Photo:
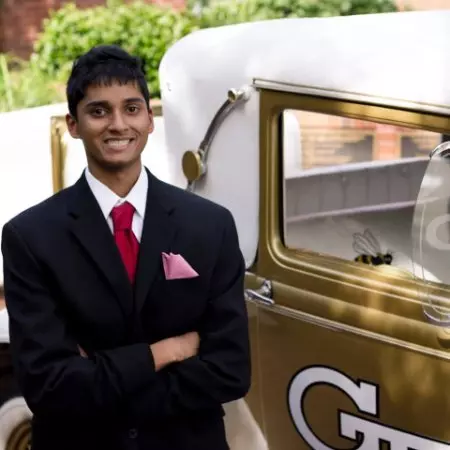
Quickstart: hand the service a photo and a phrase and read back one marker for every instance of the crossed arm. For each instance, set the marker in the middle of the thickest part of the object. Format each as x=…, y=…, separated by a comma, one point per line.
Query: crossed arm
x=184, y=373
x=170, y=350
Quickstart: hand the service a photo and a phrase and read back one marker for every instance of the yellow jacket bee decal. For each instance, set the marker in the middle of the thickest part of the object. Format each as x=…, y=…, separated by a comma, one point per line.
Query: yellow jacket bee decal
x=369, y=250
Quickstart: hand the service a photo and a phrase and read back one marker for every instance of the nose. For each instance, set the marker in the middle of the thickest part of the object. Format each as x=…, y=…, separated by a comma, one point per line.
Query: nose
x=118, y=123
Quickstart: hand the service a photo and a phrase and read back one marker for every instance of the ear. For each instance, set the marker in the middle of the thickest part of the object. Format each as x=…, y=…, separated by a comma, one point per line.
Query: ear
x=151, y=120
x=72, y=126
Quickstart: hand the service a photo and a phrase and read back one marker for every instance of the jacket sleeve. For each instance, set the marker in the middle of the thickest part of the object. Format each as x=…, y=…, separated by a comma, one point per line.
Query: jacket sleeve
x=221, y=372
x=54, y=379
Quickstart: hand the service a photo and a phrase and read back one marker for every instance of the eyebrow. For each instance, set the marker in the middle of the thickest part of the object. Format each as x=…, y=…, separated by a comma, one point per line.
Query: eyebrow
x=105, y=103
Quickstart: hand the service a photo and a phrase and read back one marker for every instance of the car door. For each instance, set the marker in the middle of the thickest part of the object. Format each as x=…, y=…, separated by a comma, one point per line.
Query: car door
x=345, y=353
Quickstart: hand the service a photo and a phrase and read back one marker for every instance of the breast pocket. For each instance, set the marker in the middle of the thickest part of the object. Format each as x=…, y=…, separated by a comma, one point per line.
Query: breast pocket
x=190, y=292
x=175, y=306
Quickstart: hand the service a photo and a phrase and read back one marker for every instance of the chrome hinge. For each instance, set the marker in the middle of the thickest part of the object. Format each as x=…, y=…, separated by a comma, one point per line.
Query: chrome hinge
x=262, y=295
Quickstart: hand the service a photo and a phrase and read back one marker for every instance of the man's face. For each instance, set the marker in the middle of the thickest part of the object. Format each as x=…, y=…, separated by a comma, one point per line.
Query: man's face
x=114, y=123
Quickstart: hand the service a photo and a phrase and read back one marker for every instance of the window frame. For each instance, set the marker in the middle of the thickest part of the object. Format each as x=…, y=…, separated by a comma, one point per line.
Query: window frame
x=325, y=274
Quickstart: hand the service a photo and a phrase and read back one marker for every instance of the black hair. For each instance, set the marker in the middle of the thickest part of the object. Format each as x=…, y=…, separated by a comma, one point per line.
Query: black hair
x=104, y=65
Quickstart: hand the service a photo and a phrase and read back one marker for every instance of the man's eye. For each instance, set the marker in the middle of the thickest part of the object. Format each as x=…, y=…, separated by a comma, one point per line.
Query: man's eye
x=98, y=112
x=133, y=109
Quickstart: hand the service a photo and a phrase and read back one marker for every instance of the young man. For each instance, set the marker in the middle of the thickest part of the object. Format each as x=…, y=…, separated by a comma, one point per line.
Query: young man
x=127, y=319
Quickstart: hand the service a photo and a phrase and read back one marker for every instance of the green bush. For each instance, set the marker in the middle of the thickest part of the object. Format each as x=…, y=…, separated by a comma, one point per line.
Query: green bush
x=226, y=12
x=143, y=29
x=23, y=85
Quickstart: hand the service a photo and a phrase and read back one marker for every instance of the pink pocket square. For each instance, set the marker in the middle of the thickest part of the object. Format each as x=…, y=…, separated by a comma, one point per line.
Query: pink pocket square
x=176, y=267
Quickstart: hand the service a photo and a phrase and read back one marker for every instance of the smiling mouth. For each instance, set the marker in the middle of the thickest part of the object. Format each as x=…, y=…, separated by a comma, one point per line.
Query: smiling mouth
x=118, y=144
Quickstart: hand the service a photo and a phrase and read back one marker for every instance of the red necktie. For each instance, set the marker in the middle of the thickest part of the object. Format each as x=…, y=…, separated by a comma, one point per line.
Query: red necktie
x=126, y=241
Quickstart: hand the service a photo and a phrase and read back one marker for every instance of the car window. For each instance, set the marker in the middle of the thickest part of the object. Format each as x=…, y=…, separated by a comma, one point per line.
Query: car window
x=350, y=186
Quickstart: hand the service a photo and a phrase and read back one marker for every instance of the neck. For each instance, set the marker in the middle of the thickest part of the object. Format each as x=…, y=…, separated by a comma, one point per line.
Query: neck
x=121, y=181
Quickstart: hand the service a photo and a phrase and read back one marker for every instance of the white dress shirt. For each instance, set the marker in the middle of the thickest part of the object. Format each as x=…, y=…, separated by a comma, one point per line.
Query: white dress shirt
x=107, y=200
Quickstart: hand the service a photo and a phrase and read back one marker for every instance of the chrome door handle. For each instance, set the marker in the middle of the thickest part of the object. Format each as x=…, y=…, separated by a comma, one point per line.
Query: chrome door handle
x=261, y=295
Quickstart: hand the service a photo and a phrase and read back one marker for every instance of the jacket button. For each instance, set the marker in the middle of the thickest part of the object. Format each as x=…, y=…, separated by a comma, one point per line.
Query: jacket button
x=132, y=433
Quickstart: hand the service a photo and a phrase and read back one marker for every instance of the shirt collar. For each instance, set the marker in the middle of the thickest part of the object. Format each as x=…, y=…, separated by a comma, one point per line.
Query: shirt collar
x=107, y=199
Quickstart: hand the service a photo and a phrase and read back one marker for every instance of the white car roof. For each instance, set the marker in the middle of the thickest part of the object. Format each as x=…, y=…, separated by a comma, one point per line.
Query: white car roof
x=402, y=55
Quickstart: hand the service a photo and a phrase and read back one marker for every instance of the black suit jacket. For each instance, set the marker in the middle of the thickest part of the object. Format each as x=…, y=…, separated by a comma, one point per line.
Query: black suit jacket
x=65, y=285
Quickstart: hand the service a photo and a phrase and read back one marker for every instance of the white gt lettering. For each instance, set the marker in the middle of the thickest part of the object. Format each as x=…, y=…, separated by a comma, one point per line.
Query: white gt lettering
x=365, y=396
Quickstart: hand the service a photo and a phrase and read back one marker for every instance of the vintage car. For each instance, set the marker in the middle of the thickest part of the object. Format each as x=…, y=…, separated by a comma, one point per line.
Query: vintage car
x=326, y=139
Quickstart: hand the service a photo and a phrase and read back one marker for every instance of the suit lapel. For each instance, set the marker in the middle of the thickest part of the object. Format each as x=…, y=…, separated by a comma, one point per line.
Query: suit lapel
x=90, y=228
x=158, y=232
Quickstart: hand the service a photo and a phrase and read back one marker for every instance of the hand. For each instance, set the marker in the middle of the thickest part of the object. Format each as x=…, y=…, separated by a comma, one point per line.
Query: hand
x=175, y=349
x=187, y=345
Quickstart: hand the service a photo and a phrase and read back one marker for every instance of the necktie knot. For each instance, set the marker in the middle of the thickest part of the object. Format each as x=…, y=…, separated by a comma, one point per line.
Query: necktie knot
x=122, y=216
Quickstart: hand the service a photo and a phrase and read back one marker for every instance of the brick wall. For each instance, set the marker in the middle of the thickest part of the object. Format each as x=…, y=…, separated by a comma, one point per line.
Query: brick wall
x=332, y=140
x=20, y=20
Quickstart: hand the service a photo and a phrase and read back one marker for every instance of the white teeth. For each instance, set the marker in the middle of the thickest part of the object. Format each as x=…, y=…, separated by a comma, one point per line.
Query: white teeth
x=116, y=143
